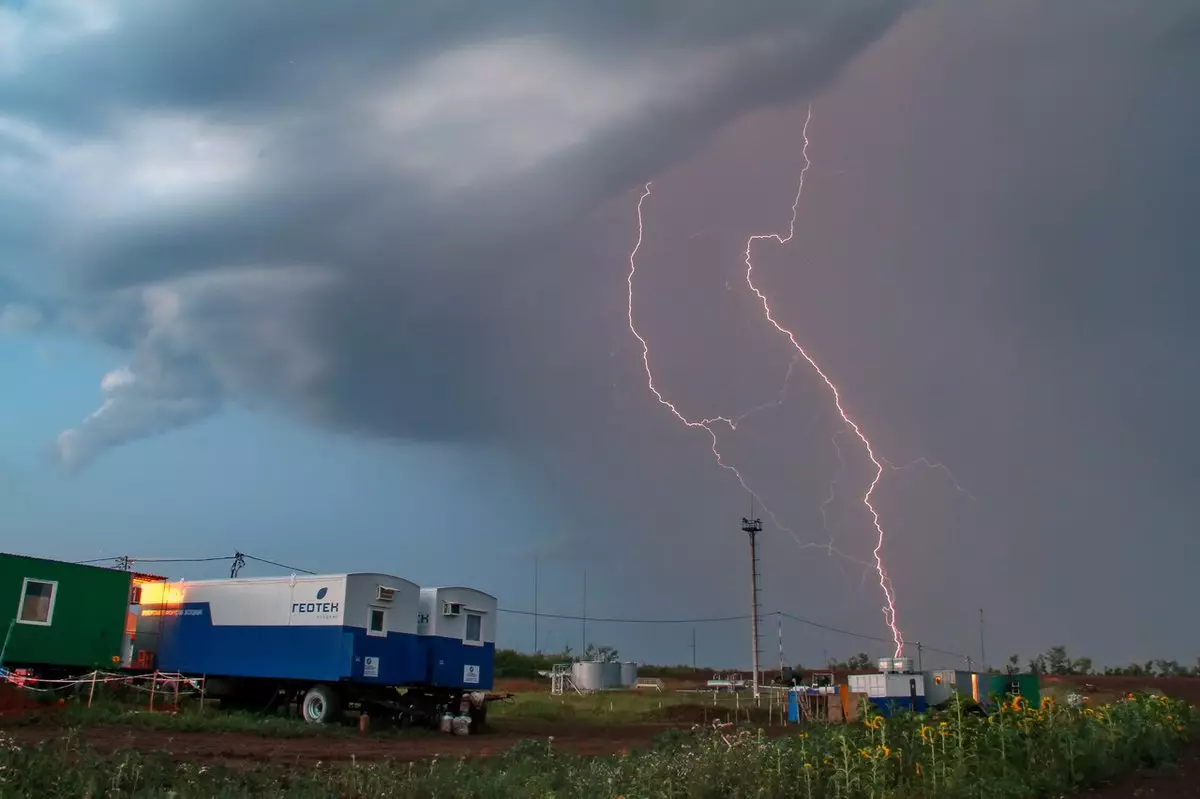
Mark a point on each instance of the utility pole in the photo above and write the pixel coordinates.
(920, 667)
(982, 651)
(779, 620)
(752, 527)
(694, 649)
(535, 604)
(584, 614)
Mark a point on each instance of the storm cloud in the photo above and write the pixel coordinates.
(311, 209)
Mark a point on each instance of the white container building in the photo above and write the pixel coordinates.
(360, 626)
(941, 685)
(458, 625)
(894, 689)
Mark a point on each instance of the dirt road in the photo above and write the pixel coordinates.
(243, 748)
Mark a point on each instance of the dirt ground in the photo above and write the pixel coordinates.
(247, 749)
(1186, 688)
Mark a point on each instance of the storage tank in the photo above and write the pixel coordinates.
(628, 674)
(588, 675)
(612, 675)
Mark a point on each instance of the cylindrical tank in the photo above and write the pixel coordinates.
(628, 674)
(612, 675)
(588, 675)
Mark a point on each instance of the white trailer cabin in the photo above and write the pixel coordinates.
(891, 691)
(331, 627)
(942, 684)
(458, 625)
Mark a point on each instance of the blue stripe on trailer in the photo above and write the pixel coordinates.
(451, 663)
(890, 704)
(189, 643)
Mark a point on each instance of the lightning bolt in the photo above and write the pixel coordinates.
(707, 424)
(889, 610)
(877, 461)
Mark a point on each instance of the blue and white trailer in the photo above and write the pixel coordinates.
(897, 686)
(325, 641)
(458, 628)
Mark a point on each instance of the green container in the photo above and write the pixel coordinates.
(1029, 686)
(63, 615)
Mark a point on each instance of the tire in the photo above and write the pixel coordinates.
(321, 705)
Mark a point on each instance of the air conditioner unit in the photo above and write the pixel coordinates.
(385, 594)
(451, 608)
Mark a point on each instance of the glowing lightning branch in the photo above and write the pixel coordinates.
(707, 424)
(889, 610)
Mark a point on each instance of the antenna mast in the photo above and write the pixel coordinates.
(752, 527)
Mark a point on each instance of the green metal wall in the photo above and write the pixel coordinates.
(1029, 686)
(88, 622)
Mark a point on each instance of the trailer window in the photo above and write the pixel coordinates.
(37, 602)
(474, 633)
(377, 625)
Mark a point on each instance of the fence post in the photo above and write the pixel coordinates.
(92, 688)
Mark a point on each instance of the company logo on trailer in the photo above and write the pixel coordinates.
(326, 609)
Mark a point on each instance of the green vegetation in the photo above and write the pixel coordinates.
(631, 707)
(189, 719)
(1056, 661)
(513, 665)
(1018, 752)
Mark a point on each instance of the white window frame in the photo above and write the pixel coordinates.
(467, 614)
(53, 601)
(371, 609)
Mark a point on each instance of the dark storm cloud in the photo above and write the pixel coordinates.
(314, 209)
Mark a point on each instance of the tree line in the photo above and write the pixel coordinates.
(511, 664)
(1056, 661)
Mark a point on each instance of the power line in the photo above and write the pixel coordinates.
(273, 563)
(864, 636)
(568, 617)
(150, 560)
(560, 616)
(838, 630)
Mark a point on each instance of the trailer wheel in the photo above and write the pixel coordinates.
(320, 705)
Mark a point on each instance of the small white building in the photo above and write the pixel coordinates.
(459, 625)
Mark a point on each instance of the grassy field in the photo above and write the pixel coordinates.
(1019, 752)
(531, 706)
(637, 707)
